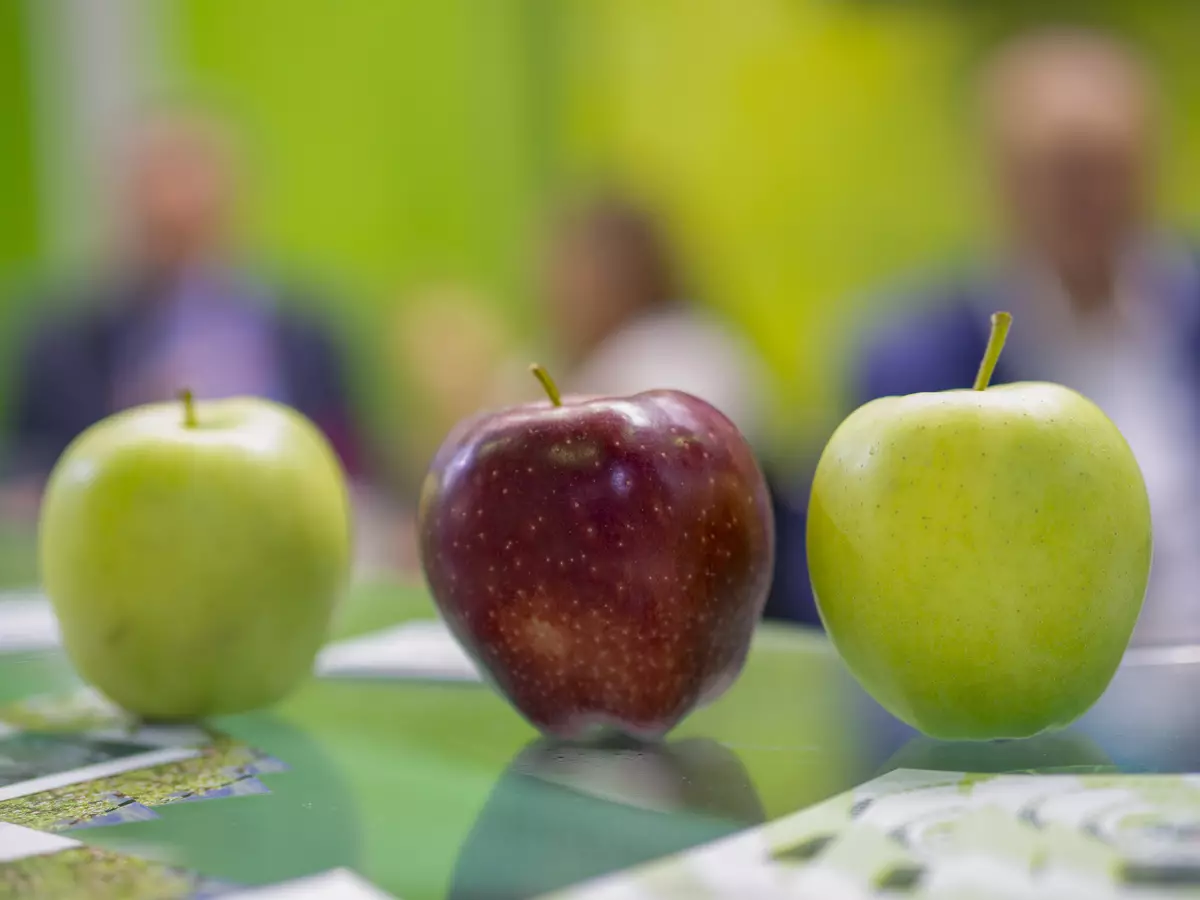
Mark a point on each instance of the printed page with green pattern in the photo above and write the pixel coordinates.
(74, 762)
(919, 834)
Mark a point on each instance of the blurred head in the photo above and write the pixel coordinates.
(448, 343)
(1070, 123)
(179, 190)
(606, 263)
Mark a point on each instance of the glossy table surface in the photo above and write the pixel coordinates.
(441, 790)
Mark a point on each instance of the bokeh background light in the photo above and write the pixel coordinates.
(403, 162)
(804, 150)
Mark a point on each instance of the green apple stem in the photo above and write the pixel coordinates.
(1000, 325)
(548, 384)
(189, 409)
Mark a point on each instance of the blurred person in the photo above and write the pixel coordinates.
(176, 311)
(450, 348)
(622, 320)
(1104, 300)
(451, 352)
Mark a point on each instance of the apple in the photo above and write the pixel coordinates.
(194, 552)
(979, 557)
(603, 560)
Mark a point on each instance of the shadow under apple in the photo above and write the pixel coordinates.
(563, 813)
(1059, 751)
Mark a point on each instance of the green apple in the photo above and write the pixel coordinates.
(979, 557)
(194, 553)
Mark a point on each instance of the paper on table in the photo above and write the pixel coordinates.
(117, 766)
(17, 842)
(422, 650)
(417, 650)
(1091, 836)
(27, 622)
(336, 884)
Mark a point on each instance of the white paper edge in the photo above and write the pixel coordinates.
(98, 770)
(335, 883)
(18, 842)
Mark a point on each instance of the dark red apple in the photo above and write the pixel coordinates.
(604, 560)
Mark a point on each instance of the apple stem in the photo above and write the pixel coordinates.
(189, 408)
(548, 384)
(1000, 325)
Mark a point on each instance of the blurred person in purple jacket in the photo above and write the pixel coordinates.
(175, 311)
(1104, 299)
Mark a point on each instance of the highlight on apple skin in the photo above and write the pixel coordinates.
(980, 557)
(604, 560)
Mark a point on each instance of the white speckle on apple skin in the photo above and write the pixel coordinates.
(642, 590)
(996, 483)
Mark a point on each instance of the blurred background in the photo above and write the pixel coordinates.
(381, 214)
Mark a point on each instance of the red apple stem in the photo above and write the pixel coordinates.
(548, 384)
(1001, 322)
(189, 408)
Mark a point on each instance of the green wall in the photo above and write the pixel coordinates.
(396, 145)
(394, 137)
(21, 248)
(803, 150)
(18, 186)
(814, 151)
(807, 151)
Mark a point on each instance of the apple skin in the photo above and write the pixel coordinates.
(194, 569)
(605, 561)
(980, 557)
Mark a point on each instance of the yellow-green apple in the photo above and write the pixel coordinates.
(604, 560)
(980, 556)
(194, 553)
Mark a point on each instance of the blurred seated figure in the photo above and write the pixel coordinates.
(452, 351)
(176, 311)
(623, 323)
(1103, 301)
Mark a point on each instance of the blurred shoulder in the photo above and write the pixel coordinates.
(922, 323)
(66, 316)
(303, 311)
(930, 339)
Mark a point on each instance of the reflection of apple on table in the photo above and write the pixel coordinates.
(561, 814)
(980, 556)
(1058, 752)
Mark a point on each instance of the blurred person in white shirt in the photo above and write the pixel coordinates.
(623, 320)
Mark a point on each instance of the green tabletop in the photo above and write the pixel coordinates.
(441, 790)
